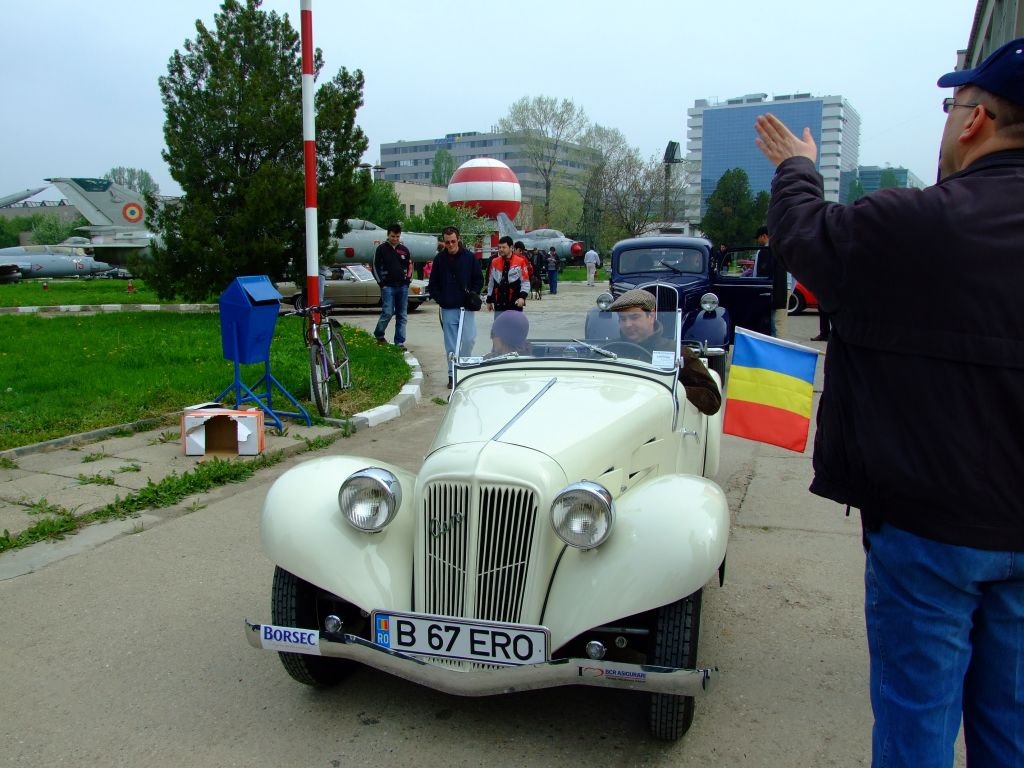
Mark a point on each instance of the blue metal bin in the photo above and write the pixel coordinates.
(248, 315)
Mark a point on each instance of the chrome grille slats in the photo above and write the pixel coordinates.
(446, 553)
(478, 566)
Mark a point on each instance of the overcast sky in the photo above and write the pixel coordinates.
(79, 79)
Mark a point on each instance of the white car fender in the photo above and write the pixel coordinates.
(669, 538)
(304, 532)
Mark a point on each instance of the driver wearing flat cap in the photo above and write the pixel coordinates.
(638, 324)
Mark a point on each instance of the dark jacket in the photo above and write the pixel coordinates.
(450, 274)
(391, 266)
(919, 423)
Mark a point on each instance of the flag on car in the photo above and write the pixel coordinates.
(771, 386)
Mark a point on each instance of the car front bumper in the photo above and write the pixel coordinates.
(491, 681)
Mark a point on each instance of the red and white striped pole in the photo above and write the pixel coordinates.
(309, 150)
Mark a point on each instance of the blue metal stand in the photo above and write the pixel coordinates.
(265, 399)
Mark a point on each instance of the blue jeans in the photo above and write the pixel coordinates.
(394, 302)
(450, 329)
(945, 629)
(553, 280)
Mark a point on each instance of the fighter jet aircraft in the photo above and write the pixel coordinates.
(116, 215)
(46, 261)
(360, 243)
(541, 239)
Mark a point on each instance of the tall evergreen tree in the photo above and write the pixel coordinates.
(733, 215)
(233, 129)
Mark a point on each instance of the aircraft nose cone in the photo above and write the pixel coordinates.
(577, 249)
(100, 266)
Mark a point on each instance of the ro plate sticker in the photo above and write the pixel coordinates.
(290, 639)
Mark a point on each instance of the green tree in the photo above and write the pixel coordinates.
(548, 130)
(566, 209)
(442, 168)
(856, 191)
(732, 216)
(381, 205)
(438, 215)
(48, 229)
(133, 178)
(233, 131)
(888, 180)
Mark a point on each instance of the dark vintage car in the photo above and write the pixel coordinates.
(716, 292)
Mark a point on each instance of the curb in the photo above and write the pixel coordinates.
(71, 308)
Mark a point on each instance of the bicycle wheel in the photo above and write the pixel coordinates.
(319, 376)
(337, 353)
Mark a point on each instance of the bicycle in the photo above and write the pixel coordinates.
(328, 353)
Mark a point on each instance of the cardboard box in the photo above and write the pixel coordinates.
(211, 429)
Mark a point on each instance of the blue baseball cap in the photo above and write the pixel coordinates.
(1002, 73)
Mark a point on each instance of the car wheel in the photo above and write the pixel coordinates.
(797, 303)
(412, 306)
(294, 604)
(677, 627)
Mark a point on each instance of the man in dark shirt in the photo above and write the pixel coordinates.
(392, 266)
(454, 275)
(919, 422)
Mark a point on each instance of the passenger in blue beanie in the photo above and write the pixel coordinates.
(920, 420)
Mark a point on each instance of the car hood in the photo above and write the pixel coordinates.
(582, 420)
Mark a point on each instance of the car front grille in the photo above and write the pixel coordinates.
(478, 541)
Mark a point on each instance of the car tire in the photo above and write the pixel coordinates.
(677, 627)
(797, 303)
(294, 604)
(412, 306)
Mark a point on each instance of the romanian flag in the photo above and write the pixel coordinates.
(771, 386)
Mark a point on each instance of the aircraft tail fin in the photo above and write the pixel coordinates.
(104, 203)
(506, 228)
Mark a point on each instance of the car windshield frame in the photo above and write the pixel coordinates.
(669, 259)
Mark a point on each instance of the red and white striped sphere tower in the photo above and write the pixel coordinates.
(487, 184)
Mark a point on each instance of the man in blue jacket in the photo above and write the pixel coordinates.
(919, 423)
(455, 274)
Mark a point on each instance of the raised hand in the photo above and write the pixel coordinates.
(778, 143)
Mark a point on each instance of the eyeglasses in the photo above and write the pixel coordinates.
(948, 104)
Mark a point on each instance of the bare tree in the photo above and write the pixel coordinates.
(634, 191)
(133, 178)
(549, 131)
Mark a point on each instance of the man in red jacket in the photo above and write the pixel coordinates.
(919, 423)
(508, 284)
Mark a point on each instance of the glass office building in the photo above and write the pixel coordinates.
(720, 137)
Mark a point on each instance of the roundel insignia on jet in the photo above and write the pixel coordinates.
(132, 212)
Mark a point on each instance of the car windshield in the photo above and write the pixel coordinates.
(678, 260)
(360, 273)
(639, 339)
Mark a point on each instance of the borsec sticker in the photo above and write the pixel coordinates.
(132, 212)
(290, 639)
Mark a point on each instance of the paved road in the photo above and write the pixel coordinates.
(133, 653)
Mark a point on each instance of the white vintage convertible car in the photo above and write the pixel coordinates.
(560, 531)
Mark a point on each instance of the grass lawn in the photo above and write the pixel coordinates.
(30, 293)
(61, 375)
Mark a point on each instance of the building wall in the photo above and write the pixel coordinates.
(870, 177)
(996, 22)
(720, 136)
(413, 161)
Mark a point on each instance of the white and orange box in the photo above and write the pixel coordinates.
(212, 429)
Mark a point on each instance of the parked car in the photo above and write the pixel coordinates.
(115, 273)
(716, 292)
(353, 285)
(801, 299)
(560, 531)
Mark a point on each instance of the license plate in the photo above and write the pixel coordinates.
(449, 638)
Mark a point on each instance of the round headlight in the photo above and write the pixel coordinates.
(604, 300)
(709, 302)
(370, 498)
(583, 514)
